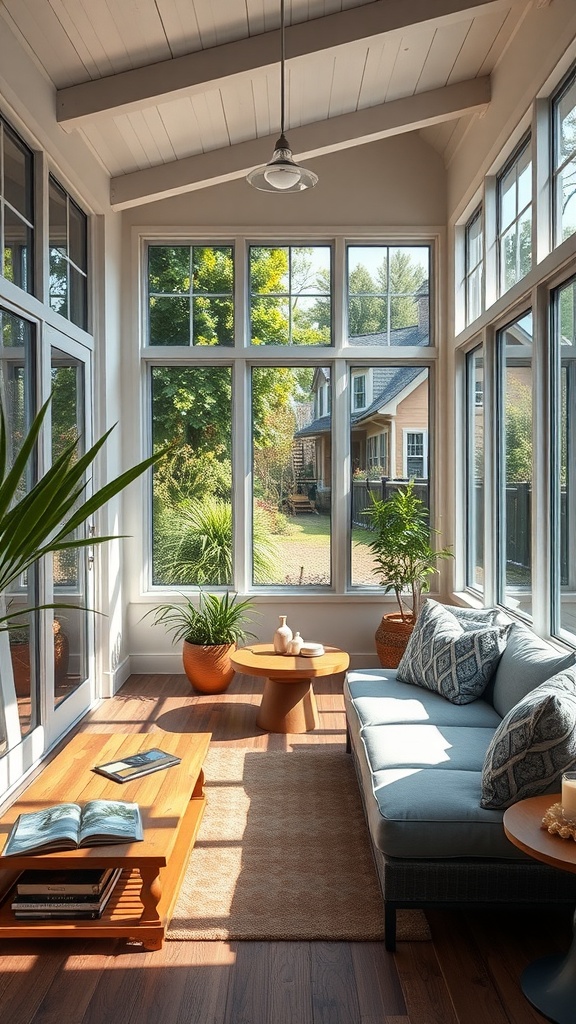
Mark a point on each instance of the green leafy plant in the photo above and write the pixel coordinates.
(194, 544)
(216, 621)
(44, 519)
(404, 556)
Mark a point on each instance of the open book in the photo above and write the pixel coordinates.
(68, 826)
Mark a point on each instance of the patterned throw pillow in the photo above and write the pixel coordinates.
(442, 656)
(534, 743)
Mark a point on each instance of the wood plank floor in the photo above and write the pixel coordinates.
(468, 974)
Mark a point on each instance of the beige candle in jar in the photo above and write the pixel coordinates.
(569, 794)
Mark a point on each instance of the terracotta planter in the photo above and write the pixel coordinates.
(209, 669)
(20, 653)
(392, 637)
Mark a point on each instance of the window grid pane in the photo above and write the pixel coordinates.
(68, 256)
(515, 219)
(475, 470)
(563, 431)
(564, 184)
(290, 295)
(388, 295)
(16, 209)
(190, 295)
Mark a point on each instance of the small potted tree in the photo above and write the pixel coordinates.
(209, 632)
(404, 561)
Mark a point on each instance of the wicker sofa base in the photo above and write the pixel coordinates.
(411, 884)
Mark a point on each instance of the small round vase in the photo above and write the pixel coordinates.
(295, 645)
(282, 637)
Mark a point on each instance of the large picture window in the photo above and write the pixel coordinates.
(192, 489)
(268, 421)
(388, 446)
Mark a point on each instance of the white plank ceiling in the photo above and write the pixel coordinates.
(174, 95)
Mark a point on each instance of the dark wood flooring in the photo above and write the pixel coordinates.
(468, 974)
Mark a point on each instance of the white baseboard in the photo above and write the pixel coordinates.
(170, 664)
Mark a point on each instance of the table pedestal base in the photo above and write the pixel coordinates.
(550, 985)
(288, 705)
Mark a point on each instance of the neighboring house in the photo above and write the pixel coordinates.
(389, 423)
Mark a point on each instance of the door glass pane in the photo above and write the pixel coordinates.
(70, 574)
(17, 401)
(515, 499)
(292, 466)
(475, 468)
(395, 425)
(192, 489)
(564, 454)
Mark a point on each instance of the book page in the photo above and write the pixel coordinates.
(112, 821)
(51, 828)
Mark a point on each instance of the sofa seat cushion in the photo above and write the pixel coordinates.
(443, 656)
(533, 744)
(447, 748)
(526, 662)
(376, 697)
(431, 813)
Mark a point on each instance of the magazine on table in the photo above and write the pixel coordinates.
(136, 765)
(69, 826)
(78, 882)
(57, 902)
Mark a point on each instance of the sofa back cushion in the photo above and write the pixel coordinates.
(444, 657)
(534, 743)
(526, 662)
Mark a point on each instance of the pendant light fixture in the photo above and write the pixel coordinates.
(282, 173)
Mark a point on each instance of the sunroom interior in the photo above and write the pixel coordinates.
(466, 169)
(446, 138)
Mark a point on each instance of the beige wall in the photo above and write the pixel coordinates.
(412, 414)
(396, 182)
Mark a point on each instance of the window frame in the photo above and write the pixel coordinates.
(470, 269)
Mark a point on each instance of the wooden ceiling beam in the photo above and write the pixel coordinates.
(307, 142)
(207, 69)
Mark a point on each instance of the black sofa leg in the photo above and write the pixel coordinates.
(390, 927)
(348, 743)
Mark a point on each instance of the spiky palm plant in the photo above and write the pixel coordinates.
(217, 621)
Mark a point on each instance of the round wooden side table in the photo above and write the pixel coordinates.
(288, 703)
(549, 983)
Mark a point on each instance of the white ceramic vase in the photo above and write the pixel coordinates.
(295, 645)
(282, 636)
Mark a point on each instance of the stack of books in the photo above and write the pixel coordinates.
(59, 895)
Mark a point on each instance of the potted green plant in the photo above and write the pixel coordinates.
(405, 559)
(209, 632)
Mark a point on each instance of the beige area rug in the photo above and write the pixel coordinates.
(283, 853)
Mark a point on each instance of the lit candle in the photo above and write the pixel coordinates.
(569, 794)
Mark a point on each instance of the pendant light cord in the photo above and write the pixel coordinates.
(282, 61)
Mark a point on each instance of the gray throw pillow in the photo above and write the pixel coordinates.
(533, 744)
(527, 661)
(444, 657)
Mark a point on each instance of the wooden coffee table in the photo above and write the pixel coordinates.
(171, 803)
(549, 983)
(288, 703)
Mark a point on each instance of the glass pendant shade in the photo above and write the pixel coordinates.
(282, 174)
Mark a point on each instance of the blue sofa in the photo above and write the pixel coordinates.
(419, 760)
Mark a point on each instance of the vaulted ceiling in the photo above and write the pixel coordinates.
(177, 95)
